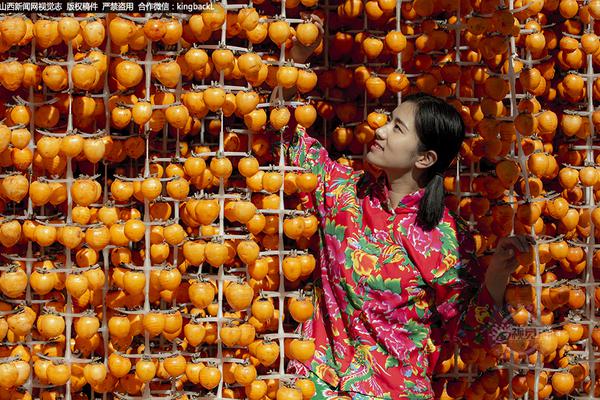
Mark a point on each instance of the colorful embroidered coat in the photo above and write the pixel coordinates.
(388, 293)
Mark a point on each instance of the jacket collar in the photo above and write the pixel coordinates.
(408, 204)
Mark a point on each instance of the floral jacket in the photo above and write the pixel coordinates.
(388, 293)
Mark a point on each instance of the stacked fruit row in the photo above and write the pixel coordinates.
(147, 248)
(526, 86)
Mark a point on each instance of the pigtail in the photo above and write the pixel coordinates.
(431, 207)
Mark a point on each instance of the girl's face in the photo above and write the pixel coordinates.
(395, 148)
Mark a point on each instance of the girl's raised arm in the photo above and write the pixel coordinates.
(305, 151)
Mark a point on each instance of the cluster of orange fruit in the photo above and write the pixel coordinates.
(124, 269)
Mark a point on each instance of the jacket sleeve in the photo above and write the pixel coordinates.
(469, 314)
(304, 151)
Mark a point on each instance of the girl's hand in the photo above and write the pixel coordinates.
(503, 263)
(299, 52)
(504, 259)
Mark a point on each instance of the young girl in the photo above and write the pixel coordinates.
(398, 274)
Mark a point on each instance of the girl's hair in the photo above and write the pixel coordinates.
(440, 128)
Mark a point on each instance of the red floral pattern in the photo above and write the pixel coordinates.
(387, 293)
